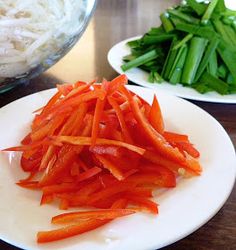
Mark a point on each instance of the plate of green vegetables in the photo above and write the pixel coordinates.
(191, 54)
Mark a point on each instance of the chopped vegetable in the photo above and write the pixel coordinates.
(194, 46)
(193, 59)
(101, 146)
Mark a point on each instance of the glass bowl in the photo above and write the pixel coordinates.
(30, 43)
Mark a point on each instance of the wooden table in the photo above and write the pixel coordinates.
(115, 20)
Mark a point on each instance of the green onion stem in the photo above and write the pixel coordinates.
(228, 56)
(140, 60)
(196, 50)
(148, 40)
(199, 8)
(212, 64)
(209, 51)
(197, 30)
(166, 22)
(209, 11)
(169, 60)
(175, 77)
(183, 41)
(183, 16)
(215, 83)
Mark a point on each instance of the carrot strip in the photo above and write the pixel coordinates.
(189, 148)
(97, 116)
(29, 184)
(157, 140)
(65, 158)
(78, 90)
(47, 157)
(116, 83)
(143, 203)
(107, 192)
(175, 137)
(75, 169)
(28, 147)
(64, 204)
(28, 178)
(121, 119)
(49, 104)
(64, 89)
(79, 140)
(73, 102)
(75, 120)
(46, 199)
(88, 173)
(72, 230)
(114, 170)
(155, 116)
(175, 167)
(94, 214)
(60, 188)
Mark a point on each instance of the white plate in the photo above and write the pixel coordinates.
(139, 76)
(182, 209)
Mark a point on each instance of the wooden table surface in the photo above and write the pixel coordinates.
(113, 21)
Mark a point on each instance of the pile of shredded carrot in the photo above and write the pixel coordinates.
(103, 148)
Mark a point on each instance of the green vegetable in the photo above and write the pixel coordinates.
(183, 16)
(228, 56)
(183, 41)
(169, 61)
(220, 7)
(147, 40)
(209, 11)
(206, 32)
(196, 50)
(231, 80)
(214, 83)
(177, 69)
(195, 45)
(212, 64)
(155, 77)
(199, 8)
(140, 60)
(166, 22)
(208, 53)
(176, 60)
(222, 71)
(220, 27)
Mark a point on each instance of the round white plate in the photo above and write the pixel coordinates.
(182, 209)
(140, 77)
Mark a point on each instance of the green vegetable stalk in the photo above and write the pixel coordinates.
(196, 50)
(195, 46)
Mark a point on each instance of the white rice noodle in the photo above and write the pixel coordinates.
(33, 30)
(7, 70)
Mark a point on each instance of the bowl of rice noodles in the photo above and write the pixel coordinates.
(35, 34)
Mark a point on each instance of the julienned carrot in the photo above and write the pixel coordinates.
(155, 116)
(80, 140)
(71, 230)
(102, 146)
(156, 139)
(97, 116)
(78, 228)
(115, 171)
(121, 119)
(94, 214)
